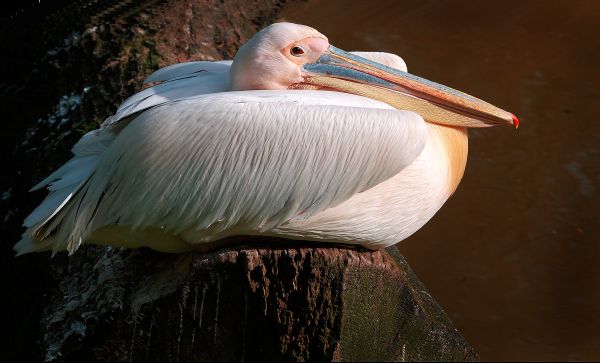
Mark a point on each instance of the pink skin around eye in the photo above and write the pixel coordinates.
(317, 45)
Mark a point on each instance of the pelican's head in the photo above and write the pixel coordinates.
(292, 56)
(273, 58)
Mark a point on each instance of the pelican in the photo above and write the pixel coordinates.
(293, 138)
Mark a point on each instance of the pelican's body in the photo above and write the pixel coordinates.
(211, 153)
(396, 208)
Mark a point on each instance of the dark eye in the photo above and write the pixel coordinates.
(297, 51)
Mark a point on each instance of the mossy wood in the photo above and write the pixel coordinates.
(237, 304)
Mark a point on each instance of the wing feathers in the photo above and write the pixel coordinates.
(221, 163)
(229, 163)
(67, 180)
(178, 70)
(200, 83)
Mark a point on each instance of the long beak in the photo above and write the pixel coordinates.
(436, 103)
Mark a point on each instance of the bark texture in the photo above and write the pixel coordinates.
(270, 303)
(65, 67)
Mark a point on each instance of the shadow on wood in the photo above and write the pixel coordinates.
(292, 304)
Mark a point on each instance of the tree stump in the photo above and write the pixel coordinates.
(236, 304)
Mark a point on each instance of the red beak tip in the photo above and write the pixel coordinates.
(515, 121)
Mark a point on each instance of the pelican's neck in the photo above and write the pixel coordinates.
(454, 143)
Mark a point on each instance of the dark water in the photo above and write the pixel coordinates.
(513, 255)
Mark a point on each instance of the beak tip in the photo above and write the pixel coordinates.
(515, 121)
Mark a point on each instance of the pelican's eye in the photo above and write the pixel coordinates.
(297, 51)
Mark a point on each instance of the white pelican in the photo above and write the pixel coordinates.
(293, 138)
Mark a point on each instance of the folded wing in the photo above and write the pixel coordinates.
(178, 81)
(231, 162)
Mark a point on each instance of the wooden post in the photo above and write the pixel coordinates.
(236, 304)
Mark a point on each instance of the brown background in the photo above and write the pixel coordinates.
(512, 256)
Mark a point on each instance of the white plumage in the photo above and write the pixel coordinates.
(188, 161)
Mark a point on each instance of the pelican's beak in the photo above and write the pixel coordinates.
(436, 103)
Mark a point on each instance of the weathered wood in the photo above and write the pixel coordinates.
(271, 303)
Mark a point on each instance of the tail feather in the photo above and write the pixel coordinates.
(49, 207)
(28, 245)
(64, 185)
(87, 149)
